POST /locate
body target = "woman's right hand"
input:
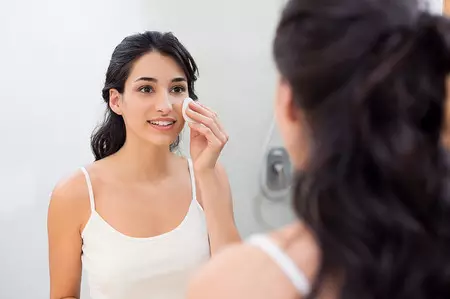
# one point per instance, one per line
(208, 137)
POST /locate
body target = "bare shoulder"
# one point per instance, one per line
(69, 189)
(70, 198)
(244, 271)
(227, 275)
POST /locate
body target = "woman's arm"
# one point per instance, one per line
(64, 240)
(215, 195)
(208, 138)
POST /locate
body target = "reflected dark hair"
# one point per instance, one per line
(110, 136)
(369, 77)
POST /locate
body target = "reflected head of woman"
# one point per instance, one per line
(129, 91)
(360, 106)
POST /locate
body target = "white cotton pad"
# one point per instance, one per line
(183, 109)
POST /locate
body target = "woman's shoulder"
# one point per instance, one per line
(245, 271)
(69, 199)
(70, 187)
(74, 186)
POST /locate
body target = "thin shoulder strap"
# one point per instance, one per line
(90, 190)
(294, 274)
(191, 172)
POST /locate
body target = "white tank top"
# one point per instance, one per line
(123, 267)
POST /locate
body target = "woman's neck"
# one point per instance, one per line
(143, 162)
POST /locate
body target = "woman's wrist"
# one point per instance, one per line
(206, 172)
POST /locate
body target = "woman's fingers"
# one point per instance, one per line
(208, 118)
(209, 135)
(215, 117)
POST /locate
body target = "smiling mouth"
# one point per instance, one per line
(161, 123)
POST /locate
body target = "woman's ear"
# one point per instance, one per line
(286, 106)
(115, 101)
(291, 124)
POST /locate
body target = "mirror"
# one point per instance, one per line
(54, 60)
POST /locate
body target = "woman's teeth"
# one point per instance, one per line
(162, 123)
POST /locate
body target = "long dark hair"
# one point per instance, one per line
(110, 136)
(369, 77)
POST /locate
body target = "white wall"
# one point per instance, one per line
(53, 57)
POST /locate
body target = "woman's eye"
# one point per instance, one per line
(178, 89)
(146, 89)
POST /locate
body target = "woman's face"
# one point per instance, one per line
(152, 99)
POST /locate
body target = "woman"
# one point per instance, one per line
(360, 106)
(134, 218)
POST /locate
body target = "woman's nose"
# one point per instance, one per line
(164, 104)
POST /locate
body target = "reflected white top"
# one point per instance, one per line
(123, 267)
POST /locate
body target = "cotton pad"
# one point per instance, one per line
(183, 109)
